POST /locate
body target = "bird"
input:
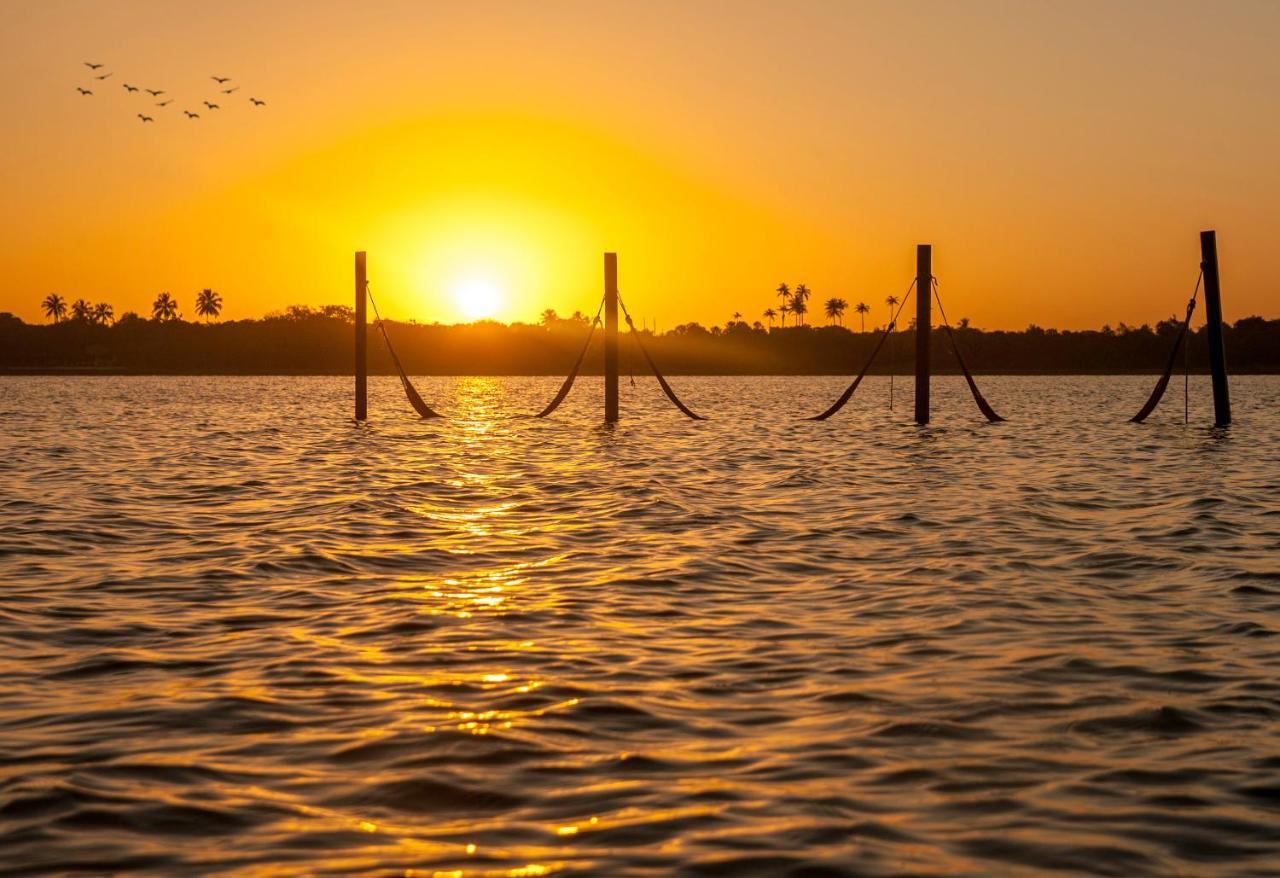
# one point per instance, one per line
(128, 87)
(145, 118)
(211, 106)
(155, 92)
(91, 65)
(257, 103)
(227, 91)
(191, 115)
(83, 91)
(105, 76)
(221, 79)
(164, 103)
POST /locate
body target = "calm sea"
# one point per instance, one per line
(241, 634)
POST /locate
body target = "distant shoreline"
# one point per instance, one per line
(113, 372)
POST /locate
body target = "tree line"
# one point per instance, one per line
(306, 340)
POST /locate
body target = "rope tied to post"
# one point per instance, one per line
(983, 406)
(1158, 391)
(884, 336)
(573, 373)
(662, 382)
(415, 399)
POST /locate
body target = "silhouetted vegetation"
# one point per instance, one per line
(303, 340)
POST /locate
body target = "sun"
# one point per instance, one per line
(476, 296)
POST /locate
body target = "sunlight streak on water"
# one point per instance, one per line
(242, 634)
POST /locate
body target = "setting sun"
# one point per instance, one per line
(476, 296)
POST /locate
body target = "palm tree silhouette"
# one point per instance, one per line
(798, 307)
(784, 293)
(769, 314)
(54, 306)
(892, 302)
(81, 310)
(103, 313)
(863, 310)
(800, 297)
(164, 308)
(549, 316)
(834, 309)
(208, 304)
(737, 315)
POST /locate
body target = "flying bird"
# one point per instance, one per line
(221, 80)
(105, 76)
(211, 106)
(91, 65)
(83, 91)
(164, 103)
(129, 87)
(145, 118)
(155, 92)
(191, 115)
(257, 103)
(227, 91)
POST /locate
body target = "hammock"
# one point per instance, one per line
(573, 373)
(983, 406)
(662, 382)
(884, 336)
(415, 400)
(1158, 392)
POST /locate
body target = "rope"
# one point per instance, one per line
(415, 400)
(662, 382)
(983, 406)
(573, 373)
(848, 393)
(1158, 391)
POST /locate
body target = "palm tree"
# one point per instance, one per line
(549, 316)
(164, 308)
(208, 304)
(863, 310)
(737, 315)
(784, 293)
(784, 311)
(54, 306)
(103, 313)
(800, 297)
(834, 309)
(799, 308)
(892, 302)
(769, 314)
(81, 310)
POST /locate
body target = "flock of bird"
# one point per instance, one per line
(162, 100)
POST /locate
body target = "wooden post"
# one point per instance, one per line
(610, 338)
(1213, 314)
(924, 319)
(362, 337)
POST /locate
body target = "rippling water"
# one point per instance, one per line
(239, 633)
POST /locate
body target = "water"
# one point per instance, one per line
(240, 634)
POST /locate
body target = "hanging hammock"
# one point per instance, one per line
(884, 336)
(1158, 392)
(573, 373)
(415, 400)
(662, 382)
(983, 406)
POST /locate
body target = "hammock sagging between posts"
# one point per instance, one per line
(573, 373)
(1158, 392)
(415, 399)
(662, 382)
(848, 393)
(983, 406)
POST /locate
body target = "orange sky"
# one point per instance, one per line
(1061, 157)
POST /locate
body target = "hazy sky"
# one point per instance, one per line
(1061, 157)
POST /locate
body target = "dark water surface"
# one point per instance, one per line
(240, 634)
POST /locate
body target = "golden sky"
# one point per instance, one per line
(1061, 157)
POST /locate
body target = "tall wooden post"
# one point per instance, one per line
(362, 337)
(611, 337)
(924, 319)
(1213, 314)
